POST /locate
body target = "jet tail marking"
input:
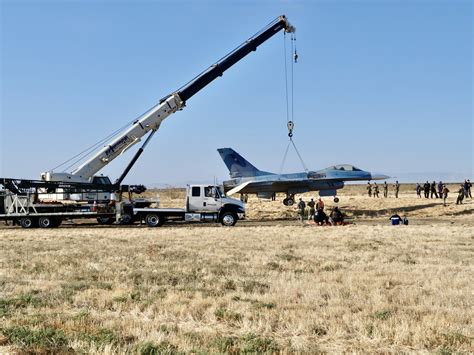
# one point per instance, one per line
(237, 165)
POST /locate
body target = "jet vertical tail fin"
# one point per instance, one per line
(237, 165)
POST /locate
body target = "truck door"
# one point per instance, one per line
(211, 199)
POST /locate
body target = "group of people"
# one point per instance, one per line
(316, 213)
(373, 190)
(440, 190)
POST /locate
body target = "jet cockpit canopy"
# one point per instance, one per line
(345, 167)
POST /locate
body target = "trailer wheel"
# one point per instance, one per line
(154, 220)
(45, 222)
(28, 222)
(229, 219)
(105, 220)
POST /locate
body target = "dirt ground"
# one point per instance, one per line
(269, 284)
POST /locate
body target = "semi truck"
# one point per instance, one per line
(82, 193)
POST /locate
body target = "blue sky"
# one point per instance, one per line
(383, 85)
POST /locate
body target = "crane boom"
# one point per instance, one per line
(151, 120)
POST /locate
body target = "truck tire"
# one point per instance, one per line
(154, 220)
(28, 222)
(229, 219)
(105, 220)
(46, 222)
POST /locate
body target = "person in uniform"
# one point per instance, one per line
(376, 190)
(301, 209)
(469, 186)
(311, 205)
(426, 189)
(460, 195)
(369, 189)
(466, 189)
(397, 188)
(385, 189)
(433, 189)
(445, 194)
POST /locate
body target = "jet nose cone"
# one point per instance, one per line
(375, 176)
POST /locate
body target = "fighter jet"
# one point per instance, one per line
(247, 179)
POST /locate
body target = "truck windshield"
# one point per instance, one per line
(220, 192)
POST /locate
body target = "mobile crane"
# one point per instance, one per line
(21, 199)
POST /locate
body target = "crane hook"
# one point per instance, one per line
(290, 125)
(295, 56)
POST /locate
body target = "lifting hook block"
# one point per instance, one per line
(290, 125)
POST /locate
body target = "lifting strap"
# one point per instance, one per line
(290, 115)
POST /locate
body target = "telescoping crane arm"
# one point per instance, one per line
(151, 120)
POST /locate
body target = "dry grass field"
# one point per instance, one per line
(278, 286)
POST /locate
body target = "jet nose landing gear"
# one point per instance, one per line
(289, 200)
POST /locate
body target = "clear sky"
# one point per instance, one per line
(384, 85)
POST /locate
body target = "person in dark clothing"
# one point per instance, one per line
(321, 218)
(440, 189)
(301, 208)
(311, 206)
(337, 216)
(369, 189)
(469, 186)
(433, 189)
(460, 195)
(466, 189)
(418, 190)
(426, 189)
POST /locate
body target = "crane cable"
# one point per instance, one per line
(290, 120)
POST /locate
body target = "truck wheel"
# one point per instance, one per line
(153, 220)
(228, 219)
(45, 222)
(28, 222)
(105, 220)
(290, 201)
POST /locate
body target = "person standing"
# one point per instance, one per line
(426, 189)
(385, 189)
(466, 189)
(311, 205)
(445, 194)
(397, 188)
(433, 189)
(320, 205)
(460, 195)
(301, 208)
(376, 190)
(369, 189)
(440, 189)
(418, 190)
(469, 186)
